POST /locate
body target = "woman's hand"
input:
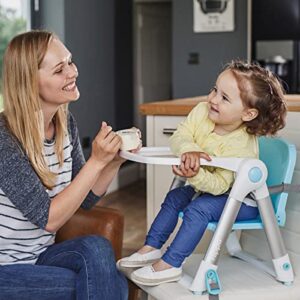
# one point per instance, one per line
(106, 145)
(121, 160)
(118, 159)
(190, 164)
(138, 147)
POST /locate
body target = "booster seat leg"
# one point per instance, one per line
(281, 261)
(210, 260)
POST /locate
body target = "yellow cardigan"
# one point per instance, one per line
(195, 133)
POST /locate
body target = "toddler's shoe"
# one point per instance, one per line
(148, 276)
(140, 260)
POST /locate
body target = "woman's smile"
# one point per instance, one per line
(70, 87)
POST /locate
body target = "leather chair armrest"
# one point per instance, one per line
(107, 222)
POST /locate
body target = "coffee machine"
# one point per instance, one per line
(276, 39)
(281, 58)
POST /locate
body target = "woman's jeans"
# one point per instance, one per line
(197, 214)
(82, 268)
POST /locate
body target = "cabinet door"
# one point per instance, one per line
(164, 126)
(159, 178)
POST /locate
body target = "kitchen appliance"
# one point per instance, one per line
(276, 39)
(213, 6)
(282, 58)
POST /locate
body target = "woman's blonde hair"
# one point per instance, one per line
(22, 106)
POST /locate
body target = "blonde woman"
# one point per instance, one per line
(44, 179)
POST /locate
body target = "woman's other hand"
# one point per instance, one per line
(140, 137)
(141, 142)
(138, 148)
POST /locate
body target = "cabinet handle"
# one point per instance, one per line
(168, 131)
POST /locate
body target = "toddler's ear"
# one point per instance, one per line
(249, 114)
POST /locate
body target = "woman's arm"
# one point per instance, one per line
(23, 187)
(107, 175)
(105, 146)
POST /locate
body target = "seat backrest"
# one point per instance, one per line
(280, 158)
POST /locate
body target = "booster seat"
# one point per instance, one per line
(279, 157)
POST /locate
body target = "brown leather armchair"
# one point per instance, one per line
(107, 222)
(104, 221)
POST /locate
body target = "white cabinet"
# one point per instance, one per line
(291, 131)
(159, 178)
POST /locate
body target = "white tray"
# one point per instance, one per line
(164, 156)
(152, 155)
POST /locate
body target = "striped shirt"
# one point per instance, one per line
(25, 202)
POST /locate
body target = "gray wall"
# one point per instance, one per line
(124, 64)
(99, 35)
(52, 17)
(214, 49)
(89, 34)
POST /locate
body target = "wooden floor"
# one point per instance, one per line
(131, 201)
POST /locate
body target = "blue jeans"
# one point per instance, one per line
(82, 268)
(197, 214)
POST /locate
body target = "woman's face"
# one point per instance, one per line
(57, 76)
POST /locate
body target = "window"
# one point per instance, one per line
(14, 16)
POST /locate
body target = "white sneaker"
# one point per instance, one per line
(148, 276)
(140, 260)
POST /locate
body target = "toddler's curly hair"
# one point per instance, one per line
(262, 90)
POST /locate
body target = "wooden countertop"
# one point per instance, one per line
(182, 107)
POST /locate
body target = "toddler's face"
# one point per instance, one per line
(226, 108)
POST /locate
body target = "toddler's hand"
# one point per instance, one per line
(190, 163)
(182, 172)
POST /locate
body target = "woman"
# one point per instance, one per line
(44, 179)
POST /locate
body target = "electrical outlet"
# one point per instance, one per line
(193, 58)
(86, 142)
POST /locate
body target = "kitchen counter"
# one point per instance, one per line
(182, 107)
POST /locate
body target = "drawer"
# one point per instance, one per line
(164, 126)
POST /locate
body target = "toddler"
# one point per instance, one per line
(246, 102)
